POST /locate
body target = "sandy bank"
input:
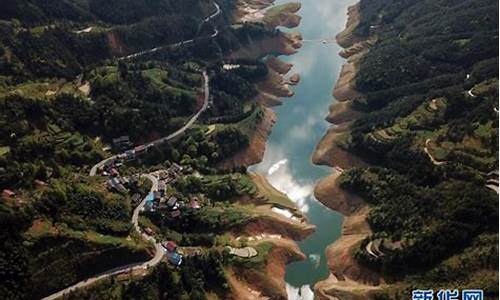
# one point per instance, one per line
(255, 151)
(342, 112)
(329, 152)
(278, 65)
(348, 279)
(347, 275)
(275, 225)
(267, 283)
(345, 88)
(263, 11)
(346, 38)
(275, 87)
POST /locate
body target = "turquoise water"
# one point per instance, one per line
(287, 160)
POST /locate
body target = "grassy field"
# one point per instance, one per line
(418, 121)
(44, 228)
(42, 89)
(273, 196)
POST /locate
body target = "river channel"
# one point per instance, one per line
(300, 126)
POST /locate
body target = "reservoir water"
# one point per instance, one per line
(287, 160)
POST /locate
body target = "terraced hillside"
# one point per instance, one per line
(426, 124)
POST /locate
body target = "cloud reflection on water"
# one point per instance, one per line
(301, 293)
(279, 175)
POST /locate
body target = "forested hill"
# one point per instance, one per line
(65, 94)
(62, 38)
(429, 130)
(40, 12)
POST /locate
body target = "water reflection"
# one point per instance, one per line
(300, 126)
(280, 176)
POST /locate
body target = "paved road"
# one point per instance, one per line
(159, 252)
(217, 12)
(206, 79)
(182, 43)
(193, 119)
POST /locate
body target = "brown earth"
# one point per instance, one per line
(342, 112)
(294, 79)
(242, 13)
(267, 99)
(333, 289)
(285, 19)
(241, 290)
(328, 152)
(275, 225)
(345, 88)
(278, 65)
(346, 38)
(348, 280)
(282, 43)
(270, 280)
(255, 151)
(115, 43)
(347, 274)
(331, 195)
(274, 84)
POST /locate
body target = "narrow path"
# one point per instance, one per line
(368, 249)
(426, 150)
(94, 169)
(162, 140)
(469, 92)
(181, 43)
(159, 252)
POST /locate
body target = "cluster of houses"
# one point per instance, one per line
(130, 153)
(172, 255)
(160, 201)
(123, 143)
(119, 183)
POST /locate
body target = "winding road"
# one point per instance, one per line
(426, 150)
(159, 252)
(217, 12)
(182, 43)
(206, 79)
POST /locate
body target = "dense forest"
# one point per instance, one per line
(199, 275)
(429, 129)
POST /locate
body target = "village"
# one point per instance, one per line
(161, 199)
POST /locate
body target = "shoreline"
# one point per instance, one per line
(273, 88)
(348, 279)
(269, 282)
